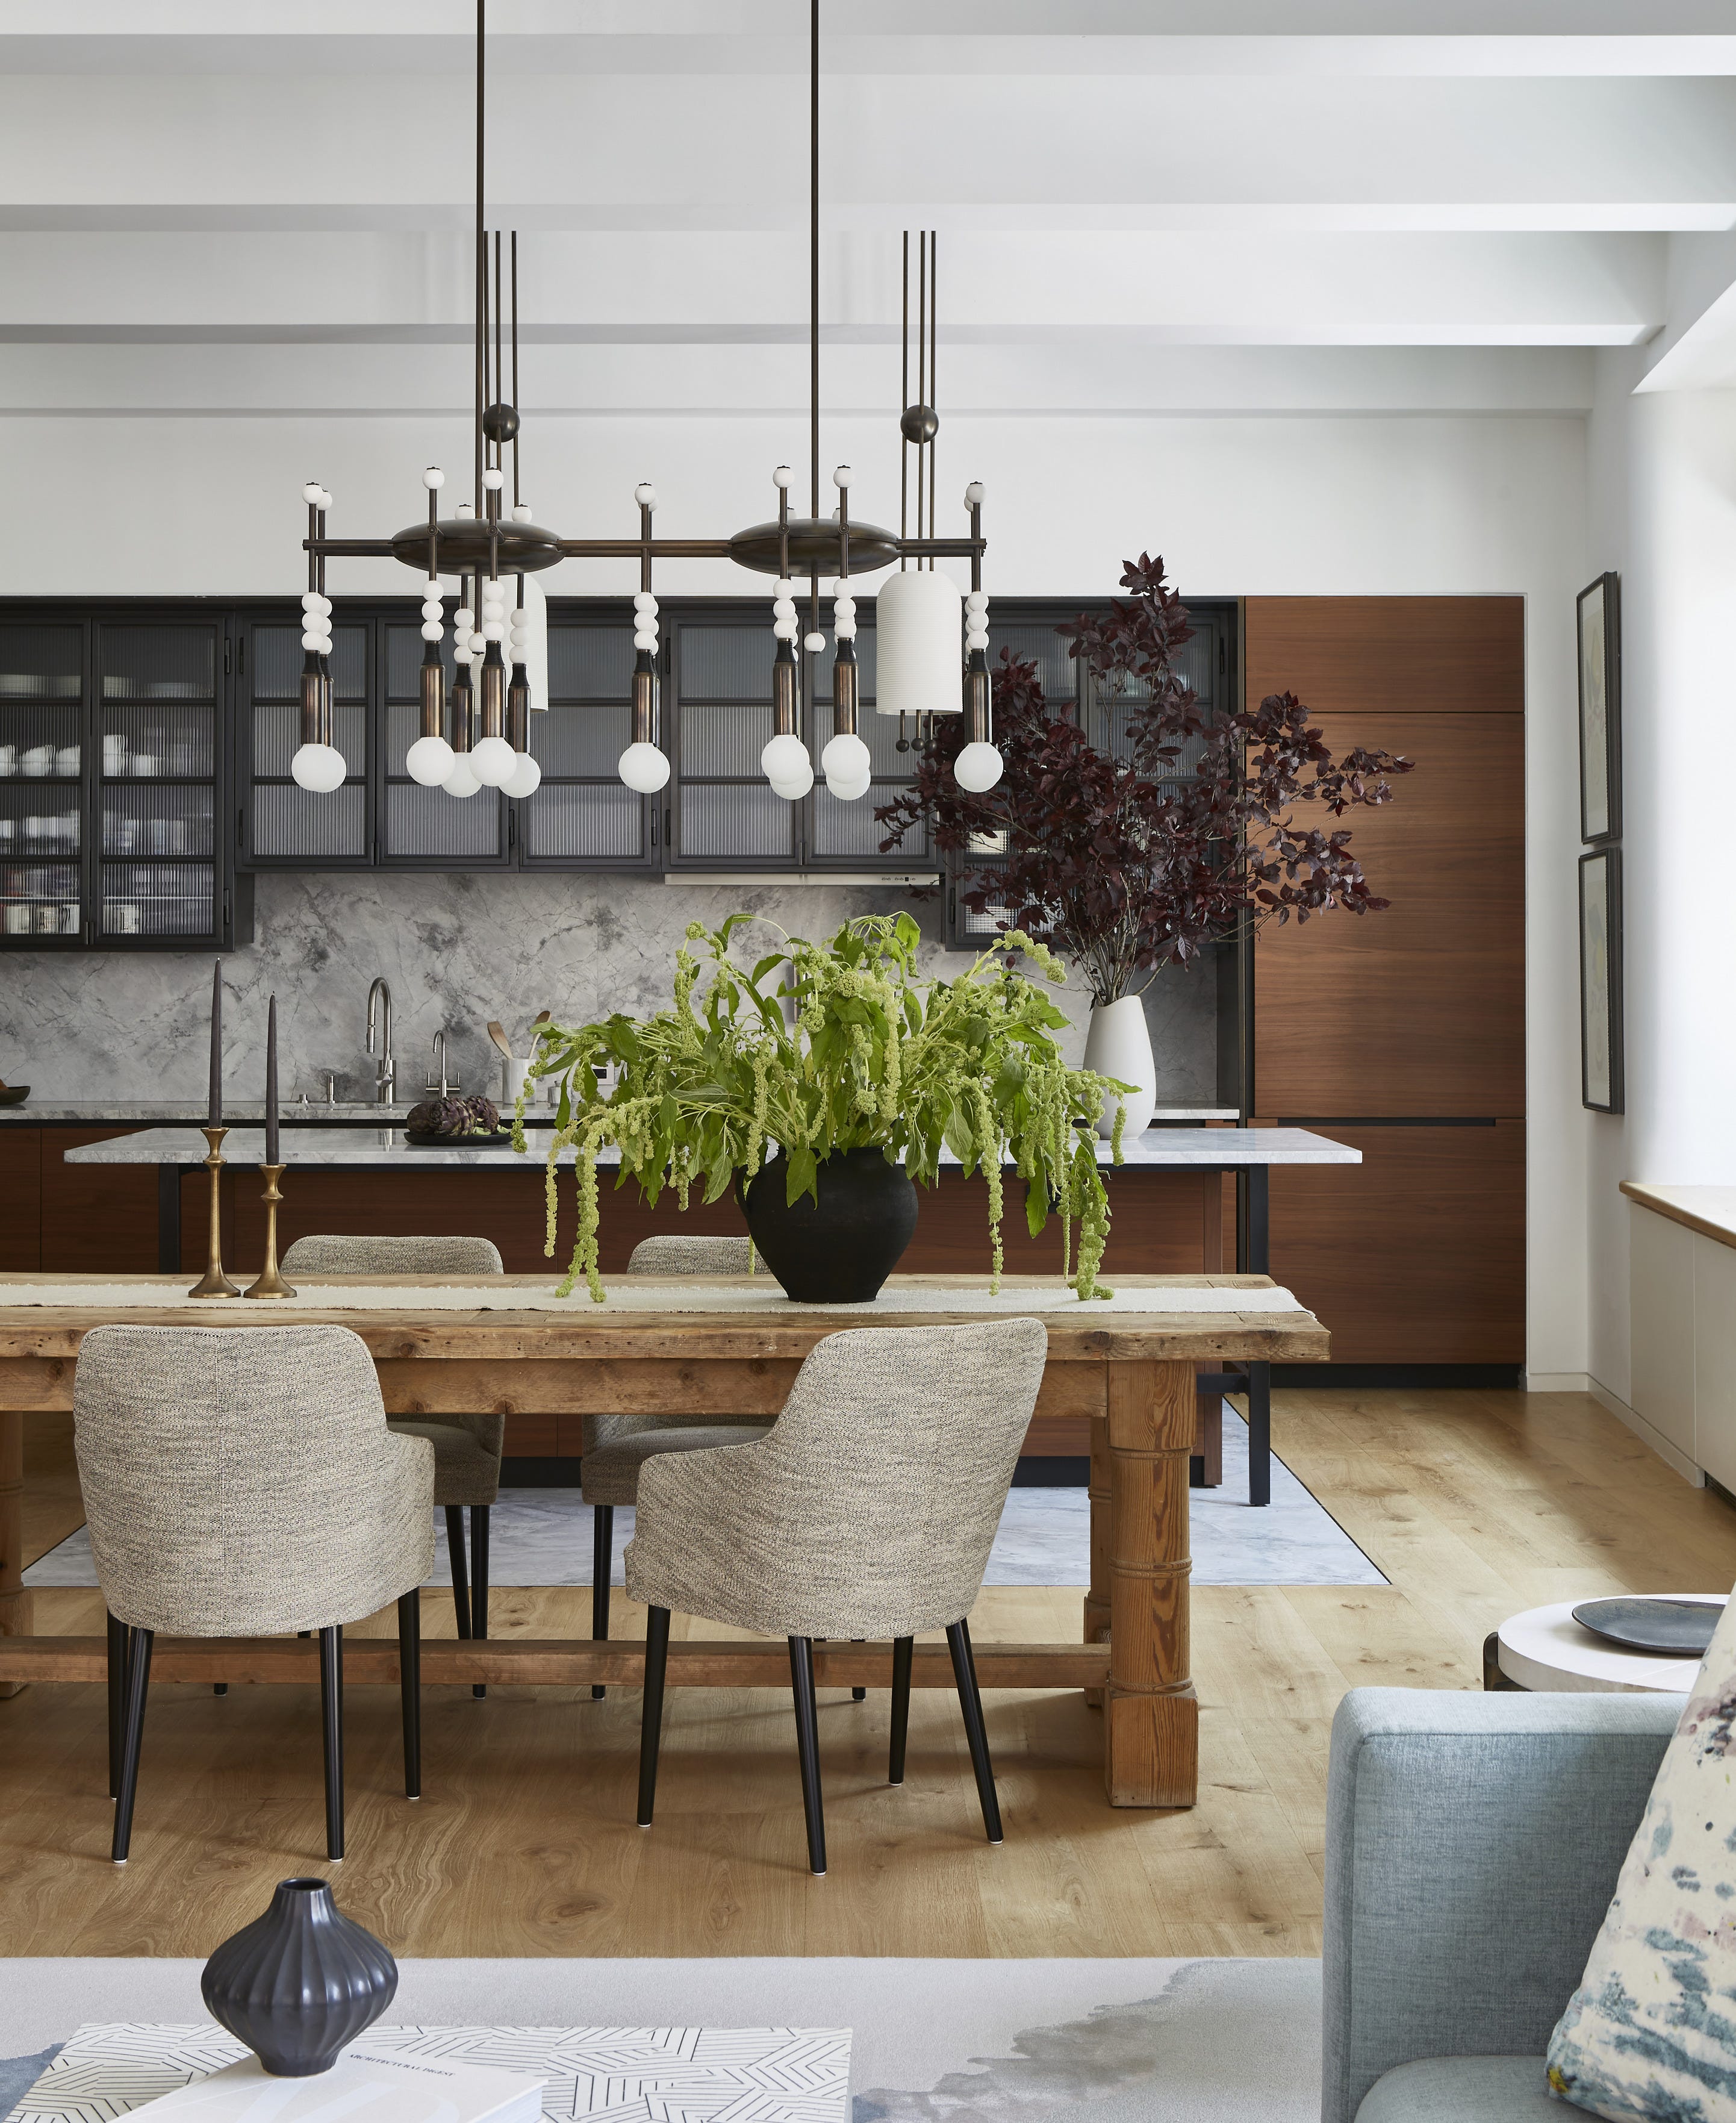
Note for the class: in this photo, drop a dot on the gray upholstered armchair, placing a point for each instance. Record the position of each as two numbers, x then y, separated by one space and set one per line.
617 1447
241 1482
1472 1846
467 1446
867 1510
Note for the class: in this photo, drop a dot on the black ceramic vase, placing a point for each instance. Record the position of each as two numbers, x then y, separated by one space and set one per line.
840 1249
300 1982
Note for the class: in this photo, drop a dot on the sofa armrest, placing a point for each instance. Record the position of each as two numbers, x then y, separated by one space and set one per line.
1473 1845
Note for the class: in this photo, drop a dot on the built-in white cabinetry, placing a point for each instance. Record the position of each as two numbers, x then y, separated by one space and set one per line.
1683 1292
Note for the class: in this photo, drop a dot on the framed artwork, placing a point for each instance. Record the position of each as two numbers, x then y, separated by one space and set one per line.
1600 709
1600 981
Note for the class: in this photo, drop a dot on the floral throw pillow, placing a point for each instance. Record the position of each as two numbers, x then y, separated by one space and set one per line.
1649 2036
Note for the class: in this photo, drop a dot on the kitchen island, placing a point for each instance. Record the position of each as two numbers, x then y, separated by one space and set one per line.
1166 1200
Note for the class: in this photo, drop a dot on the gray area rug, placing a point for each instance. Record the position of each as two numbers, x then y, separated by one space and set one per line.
934 2042
543 1537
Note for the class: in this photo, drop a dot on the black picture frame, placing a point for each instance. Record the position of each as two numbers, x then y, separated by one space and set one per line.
1602 1086
1599 639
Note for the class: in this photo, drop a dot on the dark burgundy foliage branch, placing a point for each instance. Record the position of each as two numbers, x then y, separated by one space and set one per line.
1129 864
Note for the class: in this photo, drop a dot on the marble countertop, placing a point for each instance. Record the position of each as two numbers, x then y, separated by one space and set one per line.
1710 1211
1168 1148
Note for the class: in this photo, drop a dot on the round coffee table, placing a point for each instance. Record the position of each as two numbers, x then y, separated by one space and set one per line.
1546 1650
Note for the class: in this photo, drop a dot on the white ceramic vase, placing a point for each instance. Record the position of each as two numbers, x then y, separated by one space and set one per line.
1118 1043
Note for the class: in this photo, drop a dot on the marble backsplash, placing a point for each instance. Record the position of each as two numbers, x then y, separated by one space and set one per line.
455 950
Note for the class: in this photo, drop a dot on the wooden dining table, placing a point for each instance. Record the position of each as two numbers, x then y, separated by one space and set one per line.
1130 1369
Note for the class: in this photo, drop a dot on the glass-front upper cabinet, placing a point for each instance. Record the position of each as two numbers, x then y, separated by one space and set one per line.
722 813
422 828
113 781
42 804
581 816
281 824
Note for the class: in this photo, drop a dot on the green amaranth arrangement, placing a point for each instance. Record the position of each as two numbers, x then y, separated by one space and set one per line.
825 1047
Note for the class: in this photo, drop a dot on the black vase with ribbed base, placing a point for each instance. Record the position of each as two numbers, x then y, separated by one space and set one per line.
840 1248
299 1983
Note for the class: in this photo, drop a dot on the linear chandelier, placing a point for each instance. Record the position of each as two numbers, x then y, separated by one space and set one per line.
931 644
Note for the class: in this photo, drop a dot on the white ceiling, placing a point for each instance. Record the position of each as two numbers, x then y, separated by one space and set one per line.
282 195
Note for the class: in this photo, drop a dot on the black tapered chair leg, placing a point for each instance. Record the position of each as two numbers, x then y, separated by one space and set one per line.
219 1688
479 1581
602 1569
858 1695
651 1719
139 1681
117 1700
902 1648
807 1747
331 1716
455 1554
970 1702
409 1687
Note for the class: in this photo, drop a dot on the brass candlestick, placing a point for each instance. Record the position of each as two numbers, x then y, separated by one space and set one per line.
271 1282
214 1283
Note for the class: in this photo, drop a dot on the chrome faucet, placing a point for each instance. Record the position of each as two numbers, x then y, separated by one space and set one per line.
386 1076
444 1083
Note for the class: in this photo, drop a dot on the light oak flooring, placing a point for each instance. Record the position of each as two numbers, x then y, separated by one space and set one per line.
1474 1504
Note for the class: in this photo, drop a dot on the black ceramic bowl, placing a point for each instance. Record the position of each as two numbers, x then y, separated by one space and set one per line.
14 1094
422 1139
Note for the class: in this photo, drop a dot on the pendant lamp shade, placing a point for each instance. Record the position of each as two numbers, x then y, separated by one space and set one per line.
918 643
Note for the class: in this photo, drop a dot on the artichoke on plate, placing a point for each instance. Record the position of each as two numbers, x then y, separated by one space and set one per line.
455 1117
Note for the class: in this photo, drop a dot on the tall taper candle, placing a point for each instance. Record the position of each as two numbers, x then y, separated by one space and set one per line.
271 1083
216 1117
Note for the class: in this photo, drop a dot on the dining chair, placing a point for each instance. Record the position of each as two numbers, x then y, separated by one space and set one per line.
617 1447
466 1447
867 1511
242 1482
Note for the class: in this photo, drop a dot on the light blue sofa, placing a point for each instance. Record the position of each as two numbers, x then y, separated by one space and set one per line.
1473 1845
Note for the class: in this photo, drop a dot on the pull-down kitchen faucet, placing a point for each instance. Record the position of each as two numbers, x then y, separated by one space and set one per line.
386 1076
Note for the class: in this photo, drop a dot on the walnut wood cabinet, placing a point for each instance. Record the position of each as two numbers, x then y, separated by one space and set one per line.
1403 1032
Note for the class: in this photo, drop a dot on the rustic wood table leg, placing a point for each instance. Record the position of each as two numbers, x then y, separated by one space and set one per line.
16 1604
1097 1598
1151 1733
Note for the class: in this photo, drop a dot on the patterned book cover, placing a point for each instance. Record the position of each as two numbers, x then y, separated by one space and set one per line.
622 2074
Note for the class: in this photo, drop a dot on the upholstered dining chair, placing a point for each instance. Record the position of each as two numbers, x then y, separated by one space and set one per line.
617 1447
466 1447
867 1511
241 1482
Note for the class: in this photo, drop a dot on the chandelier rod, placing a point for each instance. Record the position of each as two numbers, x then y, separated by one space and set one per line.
813 254
481 290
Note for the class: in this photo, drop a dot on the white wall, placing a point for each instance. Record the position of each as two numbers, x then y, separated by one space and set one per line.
1663 511
1240 502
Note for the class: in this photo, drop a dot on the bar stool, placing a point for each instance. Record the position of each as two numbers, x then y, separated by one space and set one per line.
617 1447
466 1447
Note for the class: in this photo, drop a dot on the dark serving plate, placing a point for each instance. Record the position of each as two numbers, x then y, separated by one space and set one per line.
421 1139
14 1094
1677 1628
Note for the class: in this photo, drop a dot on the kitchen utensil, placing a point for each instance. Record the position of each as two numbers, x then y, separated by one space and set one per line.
499 1038
513 1074
14 1094
1674 1628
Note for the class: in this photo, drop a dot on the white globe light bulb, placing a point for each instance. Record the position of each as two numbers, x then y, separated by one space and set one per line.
525 779
847 758
784 758
847 788
460 781
430 760
492 761
977 767
643 767
318 768
792 787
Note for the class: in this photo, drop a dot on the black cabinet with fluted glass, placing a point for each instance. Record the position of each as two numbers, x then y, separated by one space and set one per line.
115 778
